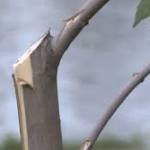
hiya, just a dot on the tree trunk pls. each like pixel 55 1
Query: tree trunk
pixel 36 89
pixel 36 84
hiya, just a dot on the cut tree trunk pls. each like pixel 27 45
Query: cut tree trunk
pixel 36 84
pixel 36 89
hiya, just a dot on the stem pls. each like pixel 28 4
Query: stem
pixel 74 24
pixel 120 98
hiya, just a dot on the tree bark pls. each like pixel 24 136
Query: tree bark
pixel 35 78
pixel 36 90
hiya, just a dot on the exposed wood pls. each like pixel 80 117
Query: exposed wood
pixel 36 89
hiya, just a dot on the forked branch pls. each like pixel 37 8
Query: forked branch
pixel 118 100
pixel 35 77
pixel 43 63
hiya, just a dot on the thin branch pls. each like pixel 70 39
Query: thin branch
pixel 135 81
pixel 74 24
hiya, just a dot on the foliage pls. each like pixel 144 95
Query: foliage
pixel 143 11
pixel 108 143
pixel 10 143
pixel 111 143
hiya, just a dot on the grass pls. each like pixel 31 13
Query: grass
pixel 111 143
pixel 108 143
pixel 10 143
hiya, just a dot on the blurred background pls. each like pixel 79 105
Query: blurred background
pixel 98 63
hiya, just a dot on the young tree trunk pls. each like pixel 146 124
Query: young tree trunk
pixel 36 90
pixel 35 79
pixel 36 84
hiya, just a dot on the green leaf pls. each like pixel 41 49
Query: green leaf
pixel 143 11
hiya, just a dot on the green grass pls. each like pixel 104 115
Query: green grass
pixel 108 143
pixel 10 143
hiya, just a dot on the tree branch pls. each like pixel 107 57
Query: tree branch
pixel 74 24
pixel 135 81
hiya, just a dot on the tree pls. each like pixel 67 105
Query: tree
pixel 35 78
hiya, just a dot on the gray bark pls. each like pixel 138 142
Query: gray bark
pixel 35 78
pixel 36 86
pixel 116 102
pixel 40 101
